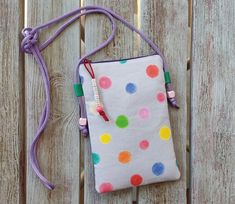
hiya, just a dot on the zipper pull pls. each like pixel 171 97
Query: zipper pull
pixel 99 107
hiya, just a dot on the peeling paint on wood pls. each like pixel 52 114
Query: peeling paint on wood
pixel 165 22
pixel 121 47
pixel 212 105
pixel 59 146
pixel 12 180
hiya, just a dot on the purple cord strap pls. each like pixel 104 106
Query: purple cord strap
pixel 30 46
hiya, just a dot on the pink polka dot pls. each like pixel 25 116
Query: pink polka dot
pixel 144 144
pixel 105 82
pixel 105 187
pixel 144 113
pixel 161 97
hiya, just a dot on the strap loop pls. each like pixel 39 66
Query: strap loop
pixel 29 45
pixel 30 39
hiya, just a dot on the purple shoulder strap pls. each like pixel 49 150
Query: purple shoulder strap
pixel 29 45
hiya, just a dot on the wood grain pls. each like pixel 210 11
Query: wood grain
pixel 59 147
pixel 122 46
pixel 165 22
pixel 213 111
pixel 11 104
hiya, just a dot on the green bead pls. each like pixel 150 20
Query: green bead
pixel 78 90
pixel 167 77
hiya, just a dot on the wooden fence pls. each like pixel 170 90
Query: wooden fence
pixel 203 128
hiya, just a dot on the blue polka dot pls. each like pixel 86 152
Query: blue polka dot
pixel 122 61
pixel 158 168
pixel 81 79
pixel 131 88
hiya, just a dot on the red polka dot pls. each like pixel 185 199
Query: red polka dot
pixel 152 71
pixel 136 180
pixel 144 144
pixel 105 82
pixel 105 187
pixel 161 97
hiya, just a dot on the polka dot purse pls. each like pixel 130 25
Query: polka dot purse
pixel 123 108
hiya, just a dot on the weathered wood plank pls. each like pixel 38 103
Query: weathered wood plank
pixel 213 111
pixel 122 46
pixel 166 23
pixel 11 103
pixel 58 149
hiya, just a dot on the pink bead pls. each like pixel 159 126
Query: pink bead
pixel 170 94
pixel 82 121
pixel 99 109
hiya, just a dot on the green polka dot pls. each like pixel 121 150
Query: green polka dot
pixel 95 158
pixel 123 61
pixel 122 121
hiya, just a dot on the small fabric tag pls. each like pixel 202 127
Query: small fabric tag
pixel 78 90
pixel 167 77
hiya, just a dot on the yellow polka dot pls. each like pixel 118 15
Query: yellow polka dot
pixel 105 138
pixel 165 133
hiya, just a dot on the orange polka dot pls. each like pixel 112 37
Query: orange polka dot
pixel 124 157
pixel 152 71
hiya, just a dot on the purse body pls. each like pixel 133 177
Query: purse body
pixel 135 146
